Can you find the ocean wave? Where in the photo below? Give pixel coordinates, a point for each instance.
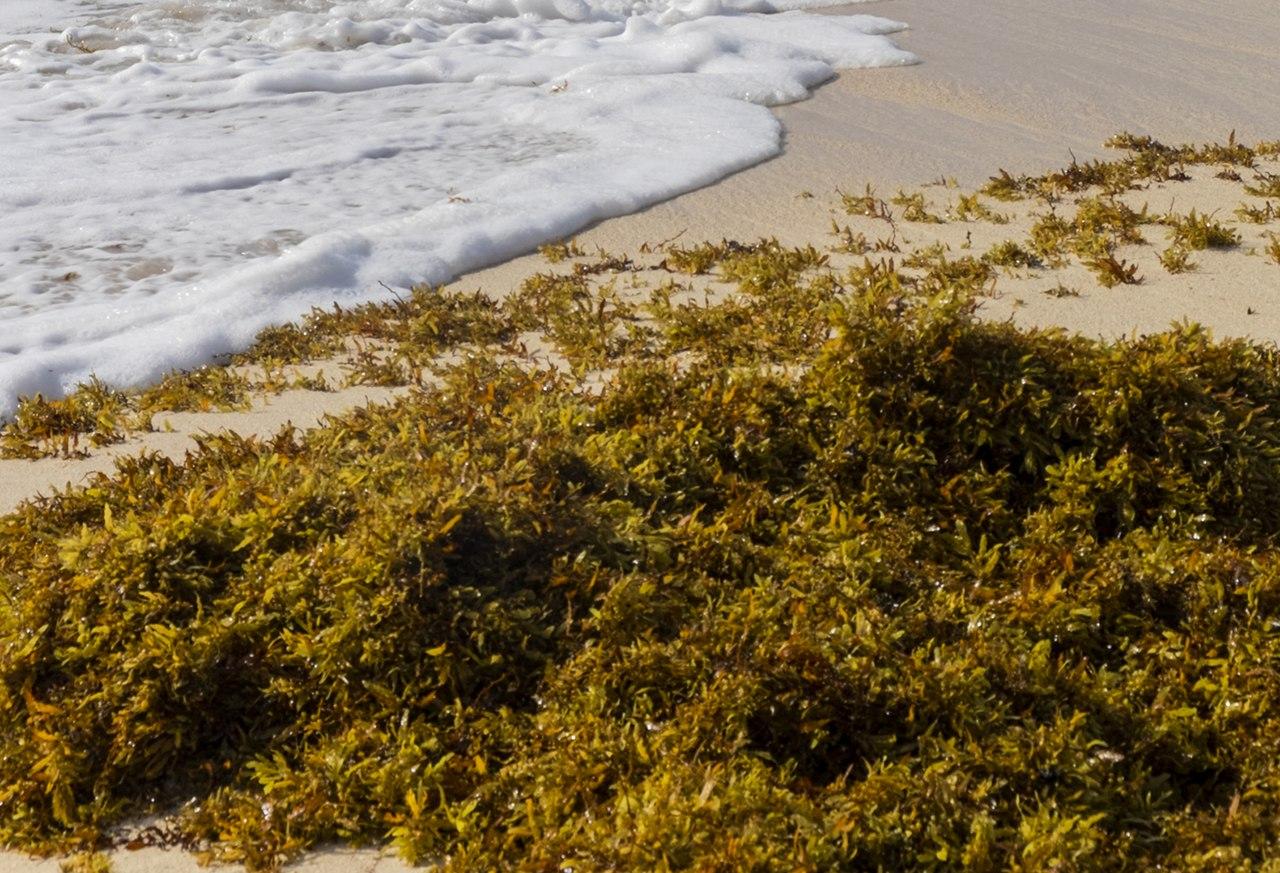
(177, 175)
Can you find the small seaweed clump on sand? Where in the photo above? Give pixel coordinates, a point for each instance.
(821, 572)
(1148, 161)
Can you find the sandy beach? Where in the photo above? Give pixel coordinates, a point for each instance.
(1005, 84)
(152, 860)
(1021, 85)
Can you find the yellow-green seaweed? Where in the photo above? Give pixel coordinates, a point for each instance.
(822, 574)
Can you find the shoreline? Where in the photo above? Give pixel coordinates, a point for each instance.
(908, 126)
(967, 110)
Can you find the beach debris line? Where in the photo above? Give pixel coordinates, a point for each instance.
(772, 564)
(361, 345)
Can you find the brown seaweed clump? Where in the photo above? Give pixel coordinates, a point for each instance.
(821, 573)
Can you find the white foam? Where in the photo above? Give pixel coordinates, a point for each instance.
(177, 174)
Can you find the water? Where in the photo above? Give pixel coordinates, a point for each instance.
(177, 174)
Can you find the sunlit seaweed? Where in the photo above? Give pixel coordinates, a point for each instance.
(1264, 214)
(1198, 232)
(1273, 248)
(1176, 259)
(915, 209)
(867, 205)
(969, 207)
(1111, 271)
(1012, 255)
(43, 427)
(821, 573)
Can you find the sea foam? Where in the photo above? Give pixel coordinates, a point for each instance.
(176, 175)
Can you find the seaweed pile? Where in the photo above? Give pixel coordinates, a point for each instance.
(822, 572)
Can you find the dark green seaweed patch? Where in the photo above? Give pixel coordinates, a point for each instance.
(823, 573)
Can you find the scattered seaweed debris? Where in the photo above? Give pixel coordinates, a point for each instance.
(915, 209)
(86, 862)
(969, 207)
(561, 251)
(1148, 161)
(1176, 259)
(1197, 232)
(396, 342)
(867, 205)
(1011, 255)
(1111, 271)
(1264, 214)
(1273, 248)
(1061, 291)
(1265, 185)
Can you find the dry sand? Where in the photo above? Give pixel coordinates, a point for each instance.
(1013, 84)
(175, 436)
(1018, 84)
(153, 860)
